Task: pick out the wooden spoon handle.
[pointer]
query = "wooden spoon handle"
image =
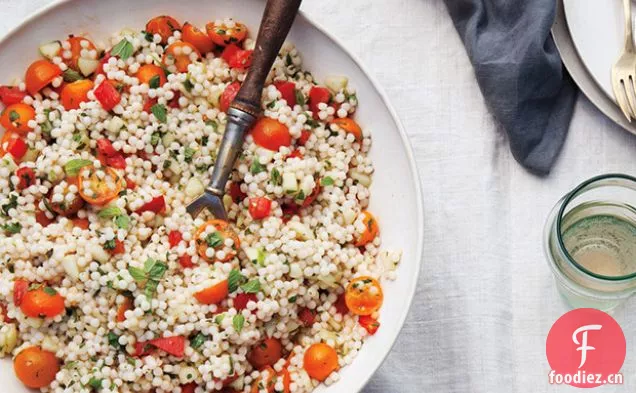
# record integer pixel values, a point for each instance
(277, 20)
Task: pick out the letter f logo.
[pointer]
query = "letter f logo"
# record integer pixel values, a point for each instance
(583, 344)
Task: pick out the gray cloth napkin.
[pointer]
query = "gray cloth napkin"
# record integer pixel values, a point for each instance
(520, 73)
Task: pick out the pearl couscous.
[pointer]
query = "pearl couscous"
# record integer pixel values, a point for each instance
(108, 285)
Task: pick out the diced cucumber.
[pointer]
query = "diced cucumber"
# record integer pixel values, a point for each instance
(290, 184)
(31, 155)
(362, 178)
(87, 66)
(115, 125)
(214, 96)
(194, 188)
(302, 231)
(51, 49)
(335, 83)
(168, 138)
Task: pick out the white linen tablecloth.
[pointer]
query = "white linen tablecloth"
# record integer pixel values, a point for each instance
(486, 298)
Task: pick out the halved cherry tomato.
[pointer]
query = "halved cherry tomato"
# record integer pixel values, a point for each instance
(121, 310)
(286, 377)
(304, 137)
(105, 146)
(307, 316)
(296, 154)
(66, 208)
(265, 353)
(16, 118)
(268, 384)
(288, 91)
(189, 388)
(43, 302)
(178, 54)
(222, 35)
(174, 102)
(236, 193)
(107, 95)
(130, 184)
(318, 95)
(174, 238)
(185, 261)
(42, 219)
(224, 231)
(290, 209)
(241, 300)
(102, 61)
(108, 156)
(370, 324)
(149, 104)
(99, 190)
(164, 26)
(341, 305)
(36, 368)
(20, 288)
(214, 294)
(260, 207)
(82, 223)
(4, 313)
(228, 95)
(371, 229)
(309, 199)
(364, 295)
(118, 249)
(76, 50)
(10, 95)
(75, 93)
(14, 145)
(349, 126)
(237, 57)
(197, 37)
(320, 361)
(151, 72)
(39, 74)
(174, 346)
(270, 134)
(156, 205)
(26, 176)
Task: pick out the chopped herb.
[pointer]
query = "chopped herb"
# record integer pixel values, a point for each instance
(188, 153)
(293, 299)
(34, 287)
(205, 139)
(148, 36)
(197, 341)
(271, 104)
(253, 286)
(12, 227)
(154, 82)
(167, 164)
(237, 322)
(50, 291)
(110, 245)
(71, 76)
(300, 97)
(235, 280)
(113, 340)
(256, 167)
(155, 138)
(95, 383)
(110, 212)
(160, 112)
(13, 203)
(124, 49)
(275, 177)
(220, 32)
(150, 275)
(123, 221)
(212, 124)
(131, 361)
(219, 318)
(326, 181)
(300, 195)
(70, 365)
(13, 116)
(188, 85)
(288, 60)
(136, 273)
(73, 167)
(214, 239)
(46, 126)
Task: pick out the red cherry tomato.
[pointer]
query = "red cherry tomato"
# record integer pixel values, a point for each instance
(174, 238)
(341, 305)
(26, 176)
(156, 205)
(318, 95)
(237, 57)
(228, 95)
(307, 316)
(16, 147)
(241, 300)
(304, 137)
(174, 346)
(260, 207)
(288, 91)
(107, 95)
(236, 193)
(185, 261)
(10, 95)
(20, 288)
(370, 324)
(295, 154)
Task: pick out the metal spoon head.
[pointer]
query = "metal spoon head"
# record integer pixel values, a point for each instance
(212, 202)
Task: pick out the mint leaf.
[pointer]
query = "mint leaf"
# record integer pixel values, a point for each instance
(237, 322)
(154, 82)
(235, 280)
(256, 167)
(136, 273)
(253, 286)
(73, 167)
(50, 291)
(12, 227)
(326, 181)
(124, 49)
(300, 97)
(275, 177)
(71, 76)
(110, 212)
(214, 239)
(160, 112)
(197, 341)
(123, 221)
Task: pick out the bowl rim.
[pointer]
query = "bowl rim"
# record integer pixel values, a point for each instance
(415, 176)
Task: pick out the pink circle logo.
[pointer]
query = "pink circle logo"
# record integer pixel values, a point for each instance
(585, 348)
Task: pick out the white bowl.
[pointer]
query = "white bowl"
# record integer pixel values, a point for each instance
(396, 196)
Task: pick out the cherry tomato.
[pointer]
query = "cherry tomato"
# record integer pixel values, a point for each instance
(270, 134)
(42, 219)
(149, 73)
(370, 324)
(39, 74)
(286, 377)
(288, 91)
(371, 229)
(364, 295)
(10, 95)
(20, 288)
(185, 261)
(320, 361)
(121, 310)
(260, 207)
(180, 55)
(43, 302)
(130, 184)
(318, 95)
(228, 95)
(214, 294)
(75, 50)
(349, 126)
(197, 37)
(108, 156)
(73, 94)
(15, 118)
(174, 238)
(304, 137)
(82, 223)
(164, 26)
(174, 346)
(107, 95)
(236, 193)
(265, 353)
(65, 207)
(296, 154)
(14, 145)
(118, 248)
(36, 368)
(241, 300)
(98, 190)
(307, 316)
(149, 104)
(216, 240)
(309, 199)
(102, 61)
(26, 176)
(269, 384)
(156, 205)
(237, 57)
(222, 34)
(189, 388)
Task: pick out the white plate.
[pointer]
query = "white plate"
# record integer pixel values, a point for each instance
(597, 29)
(396, 194)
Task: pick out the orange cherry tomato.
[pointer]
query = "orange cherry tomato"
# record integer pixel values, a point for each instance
(99, 191)
(265, 353)
(270, 134)
(39, 74)
(82, 223)
(320, 361)
(164, 26)
(178, 55)
(221, 34)
(371, 229)
(16, 118)
(43, 302)
(364, 295)
(151, 72)
(214, 294)
(36, 368)
(125, 306)
(259, 385)
(76, 50)
(349, 126)
(66, 208)
(197, 37)
(75, 93)
(228, 96)
(370, 324)
(286, 377)
(224, 232)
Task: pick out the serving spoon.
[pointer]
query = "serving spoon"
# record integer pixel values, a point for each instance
(246, 107)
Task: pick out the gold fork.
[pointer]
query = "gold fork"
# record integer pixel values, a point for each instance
(624, 71)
